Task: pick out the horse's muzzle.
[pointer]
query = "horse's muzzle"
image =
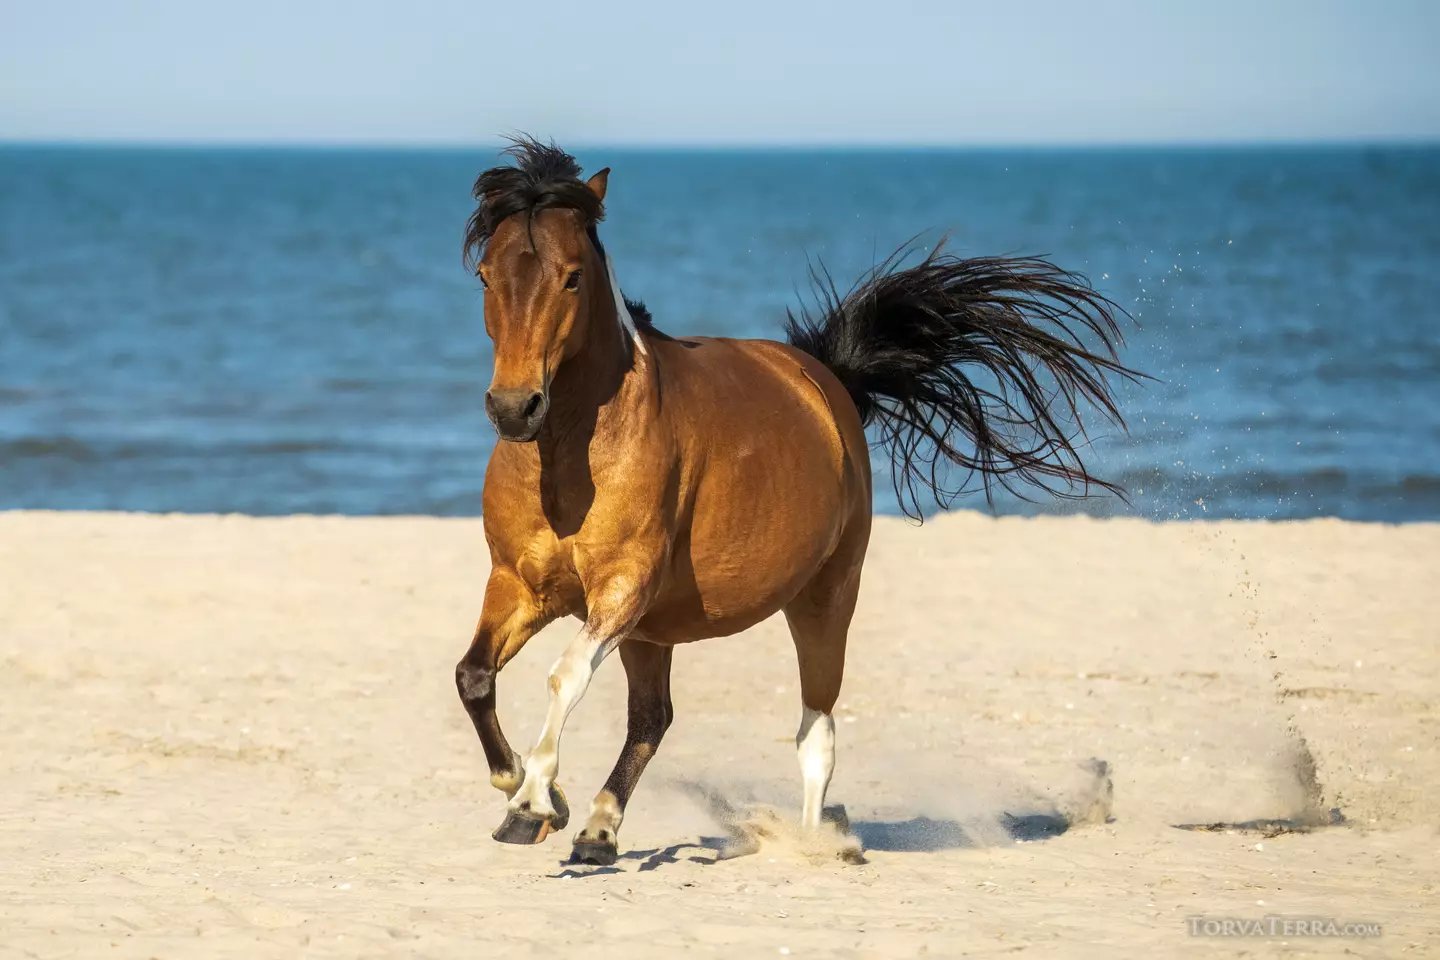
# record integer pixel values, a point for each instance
(517, 414)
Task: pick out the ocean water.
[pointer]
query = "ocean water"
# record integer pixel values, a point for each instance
(281, 331)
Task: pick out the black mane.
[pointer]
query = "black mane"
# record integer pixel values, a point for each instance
(641, 315)
(541, 178)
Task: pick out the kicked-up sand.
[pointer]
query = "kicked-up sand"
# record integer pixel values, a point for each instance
(238, 737)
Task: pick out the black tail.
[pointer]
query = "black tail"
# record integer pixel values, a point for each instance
(905, 343)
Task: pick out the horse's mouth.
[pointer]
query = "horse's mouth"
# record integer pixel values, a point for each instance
(524, 432)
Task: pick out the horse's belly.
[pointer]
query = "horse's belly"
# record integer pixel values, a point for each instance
(768, 512)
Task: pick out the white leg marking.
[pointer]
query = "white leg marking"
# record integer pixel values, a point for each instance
(569, 678)
(604, 815)
(816, 745)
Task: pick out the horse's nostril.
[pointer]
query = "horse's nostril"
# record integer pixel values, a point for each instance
(515, 410)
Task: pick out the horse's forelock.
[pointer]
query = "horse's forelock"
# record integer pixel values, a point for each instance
(542, 177)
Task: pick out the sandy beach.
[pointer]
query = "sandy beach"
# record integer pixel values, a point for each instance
(239, 737)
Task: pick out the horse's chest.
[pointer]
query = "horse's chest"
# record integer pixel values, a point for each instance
(547, 566)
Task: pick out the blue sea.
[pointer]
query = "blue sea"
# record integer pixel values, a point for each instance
(288, 331)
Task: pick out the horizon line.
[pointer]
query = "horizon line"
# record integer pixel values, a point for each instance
(721, 146)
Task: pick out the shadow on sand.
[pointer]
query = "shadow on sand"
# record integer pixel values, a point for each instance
(921, 834)
(1303, 823)
(752, 828)
(916, 835)
(707, 850)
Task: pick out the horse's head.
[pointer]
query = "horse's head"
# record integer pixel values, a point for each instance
(533, 232)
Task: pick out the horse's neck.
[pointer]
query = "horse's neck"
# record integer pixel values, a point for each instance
(596, 404)
(590, 387)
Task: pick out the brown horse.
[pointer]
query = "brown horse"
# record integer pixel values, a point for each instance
(666, 490)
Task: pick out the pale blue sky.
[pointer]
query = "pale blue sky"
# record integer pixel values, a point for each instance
(721, 72)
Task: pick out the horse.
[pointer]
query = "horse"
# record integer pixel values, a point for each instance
(666, 490)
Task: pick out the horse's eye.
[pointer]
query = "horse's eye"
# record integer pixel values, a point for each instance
(572, 282)
(483, 282)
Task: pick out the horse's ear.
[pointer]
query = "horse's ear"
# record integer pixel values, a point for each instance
(597, 183)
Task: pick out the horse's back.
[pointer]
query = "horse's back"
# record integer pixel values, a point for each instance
(775, 479)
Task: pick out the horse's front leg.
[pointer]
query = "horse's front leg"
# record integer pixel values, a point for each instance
(510, 617)
(647, 668)
(614, 609)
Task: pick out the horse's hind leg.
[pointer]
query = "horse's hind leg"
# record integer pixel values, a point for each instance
(647, 669)
(819, 621)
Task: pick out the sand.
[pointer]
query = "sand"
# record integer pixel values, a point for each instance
(238, 737)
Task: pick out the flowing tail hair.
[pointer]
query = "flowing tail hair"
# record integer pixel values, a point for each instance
(904, 343)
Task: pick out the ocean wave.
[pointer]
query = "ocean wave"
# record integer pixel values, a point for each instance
(1158, 493)
(1421, 485)
(64, 448)
(75, 450)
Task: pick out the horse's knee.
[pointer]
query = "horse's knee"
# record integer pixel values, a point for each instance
(475, 682)
(570, 675)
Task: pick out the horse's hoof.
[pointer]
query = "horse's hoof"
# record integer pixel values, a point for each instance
(600, 853)
(560, 806)
(836, 815)
(525, 826)
(519, 828)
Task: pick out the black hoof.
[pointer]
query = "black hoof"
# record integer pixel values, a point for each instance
(600, 853)
(519, 828)
(561, 807)
(837, 816)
